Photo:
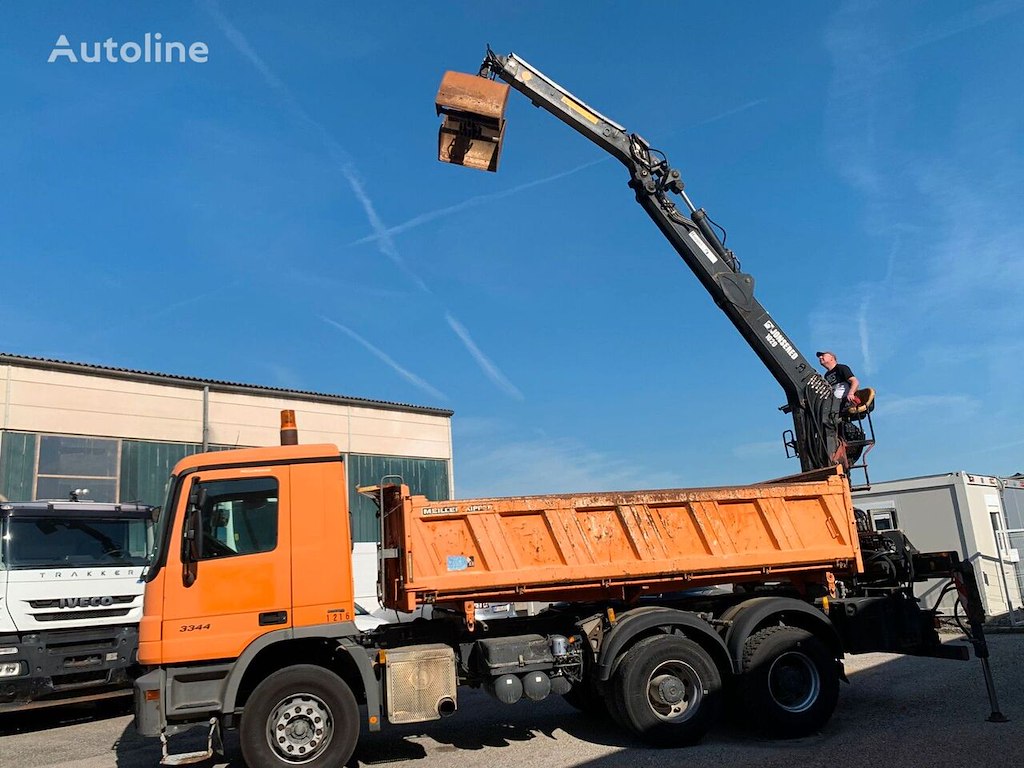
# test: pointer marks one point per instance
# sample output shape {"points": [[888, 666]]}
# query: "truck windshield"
{"points": [[42, 542]]}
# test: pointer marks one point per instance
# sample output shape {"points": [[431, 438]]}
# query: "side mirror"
{"points": [[190, 534], [197, 496]]}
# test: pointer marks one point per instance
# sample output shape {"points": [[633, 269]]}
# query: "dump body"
{"points": [[593, 546]]}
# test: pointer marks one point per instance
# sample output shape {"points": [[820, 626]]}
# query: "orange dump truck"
{"points": [[249, 615]]}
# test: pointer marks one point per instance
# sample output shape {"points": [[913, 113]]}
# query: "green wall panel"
{"points": [[145, 467], [428, 477], [17, 465]]}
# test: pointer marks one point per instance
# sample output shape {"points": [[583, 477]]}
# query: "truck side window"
{"points": [[240, 517]]}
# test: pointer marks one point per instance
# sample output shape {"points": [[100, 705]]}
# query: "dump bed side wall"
{"points": [[582, 545]]}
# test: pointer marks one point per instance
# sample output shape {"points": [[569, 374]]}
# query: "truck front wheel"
{"points": [[302, 715], [668, 691], [789, 685]]}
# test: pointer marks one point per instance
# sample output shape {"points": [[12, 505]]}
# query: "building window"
{"points": [[239, 517], [67, 464], [1013, 506], [883, 519]]}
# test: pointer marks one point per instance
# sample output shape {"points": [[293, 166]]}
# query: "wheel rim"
{"points": [[674, 691], [794, 682], [300, 727]]}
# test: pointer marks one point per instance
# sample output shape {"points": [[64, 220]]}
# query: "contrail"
{"points": [[169, 309], [423, 218], [949, 26], [482, 360], [341, 158], [862, 328], [385, 244], [237, 39], [382, 235], [728, 113], [381, 355]]}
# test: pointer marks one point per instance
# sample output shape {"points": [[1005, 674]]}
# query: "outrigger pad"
{"points": [[473, 128]]}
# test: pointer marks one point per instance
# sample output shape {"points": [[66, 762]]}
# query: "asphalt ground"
{"points": [[897, 711]]}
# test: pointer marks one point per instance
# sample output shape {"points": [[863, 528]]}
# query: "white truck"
{"points": [[70, 600]]}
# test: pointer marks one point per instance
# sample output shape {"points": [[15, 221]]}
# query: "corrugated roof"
{"points": [[171, 379]]}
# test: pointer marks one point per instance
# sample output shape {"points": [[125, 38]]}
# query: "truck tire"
{"points": [[789, 684], [668, 691], [302, 715]]}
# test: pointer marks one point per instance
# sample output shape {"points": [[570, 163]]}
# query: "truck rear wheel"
{"points": [[789, 685], [667, 690], [302, 715]]}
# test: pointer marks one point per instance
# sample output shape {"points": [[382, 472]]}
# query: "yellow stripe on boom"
{"points": [[584, 113]]}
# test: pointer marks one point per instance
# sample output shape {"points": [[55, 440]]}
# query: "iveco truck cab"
{"points": [[70, 599]]}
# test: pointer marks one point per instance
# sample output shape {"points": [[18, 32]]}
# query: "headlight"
{"points": [[8, 650], [10, 669]]}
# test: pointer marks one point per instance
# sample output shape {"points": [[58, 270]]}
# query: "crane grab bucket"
{"points": [[473, 128]]}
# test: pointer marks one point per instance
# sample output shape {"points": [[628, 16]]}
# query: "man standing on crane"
{"points": [[844, 384]]}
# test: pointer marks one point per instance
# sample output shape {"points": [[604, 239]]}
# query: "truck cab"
{"points": [[70, 599]]}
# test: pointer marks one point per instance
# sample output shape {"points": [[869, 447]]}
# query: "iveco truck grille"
{"points": [[73, 608], [93, 614], [63, 603]]}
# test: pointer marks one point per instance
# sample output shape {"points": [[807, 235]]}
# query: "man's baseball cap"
{"points": [[826, 352]]}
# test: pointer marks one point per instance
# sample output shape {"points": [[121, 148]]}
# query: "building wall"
{"points": [[947, 512], [39, 400], [985, 502], [1013, 536], [120, 436]]}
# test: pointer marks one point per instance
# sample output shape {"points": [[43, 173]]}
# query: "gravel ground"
{"points": [[897, 712]]}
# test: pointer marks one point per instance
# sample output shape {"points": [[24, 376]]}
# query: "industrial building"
{"points": [[118, 433], [980, 517]]}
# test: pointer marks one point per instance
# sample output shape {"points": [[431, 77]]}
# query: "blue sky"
{"points": [[277, 216]]}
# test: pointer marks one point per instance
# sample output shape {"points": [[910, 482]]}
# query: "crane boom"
{"points": [[472, 135]]}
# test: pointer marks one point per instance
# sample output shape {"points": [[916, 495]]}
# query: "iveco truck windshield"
{"points": [[39, 540]]}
